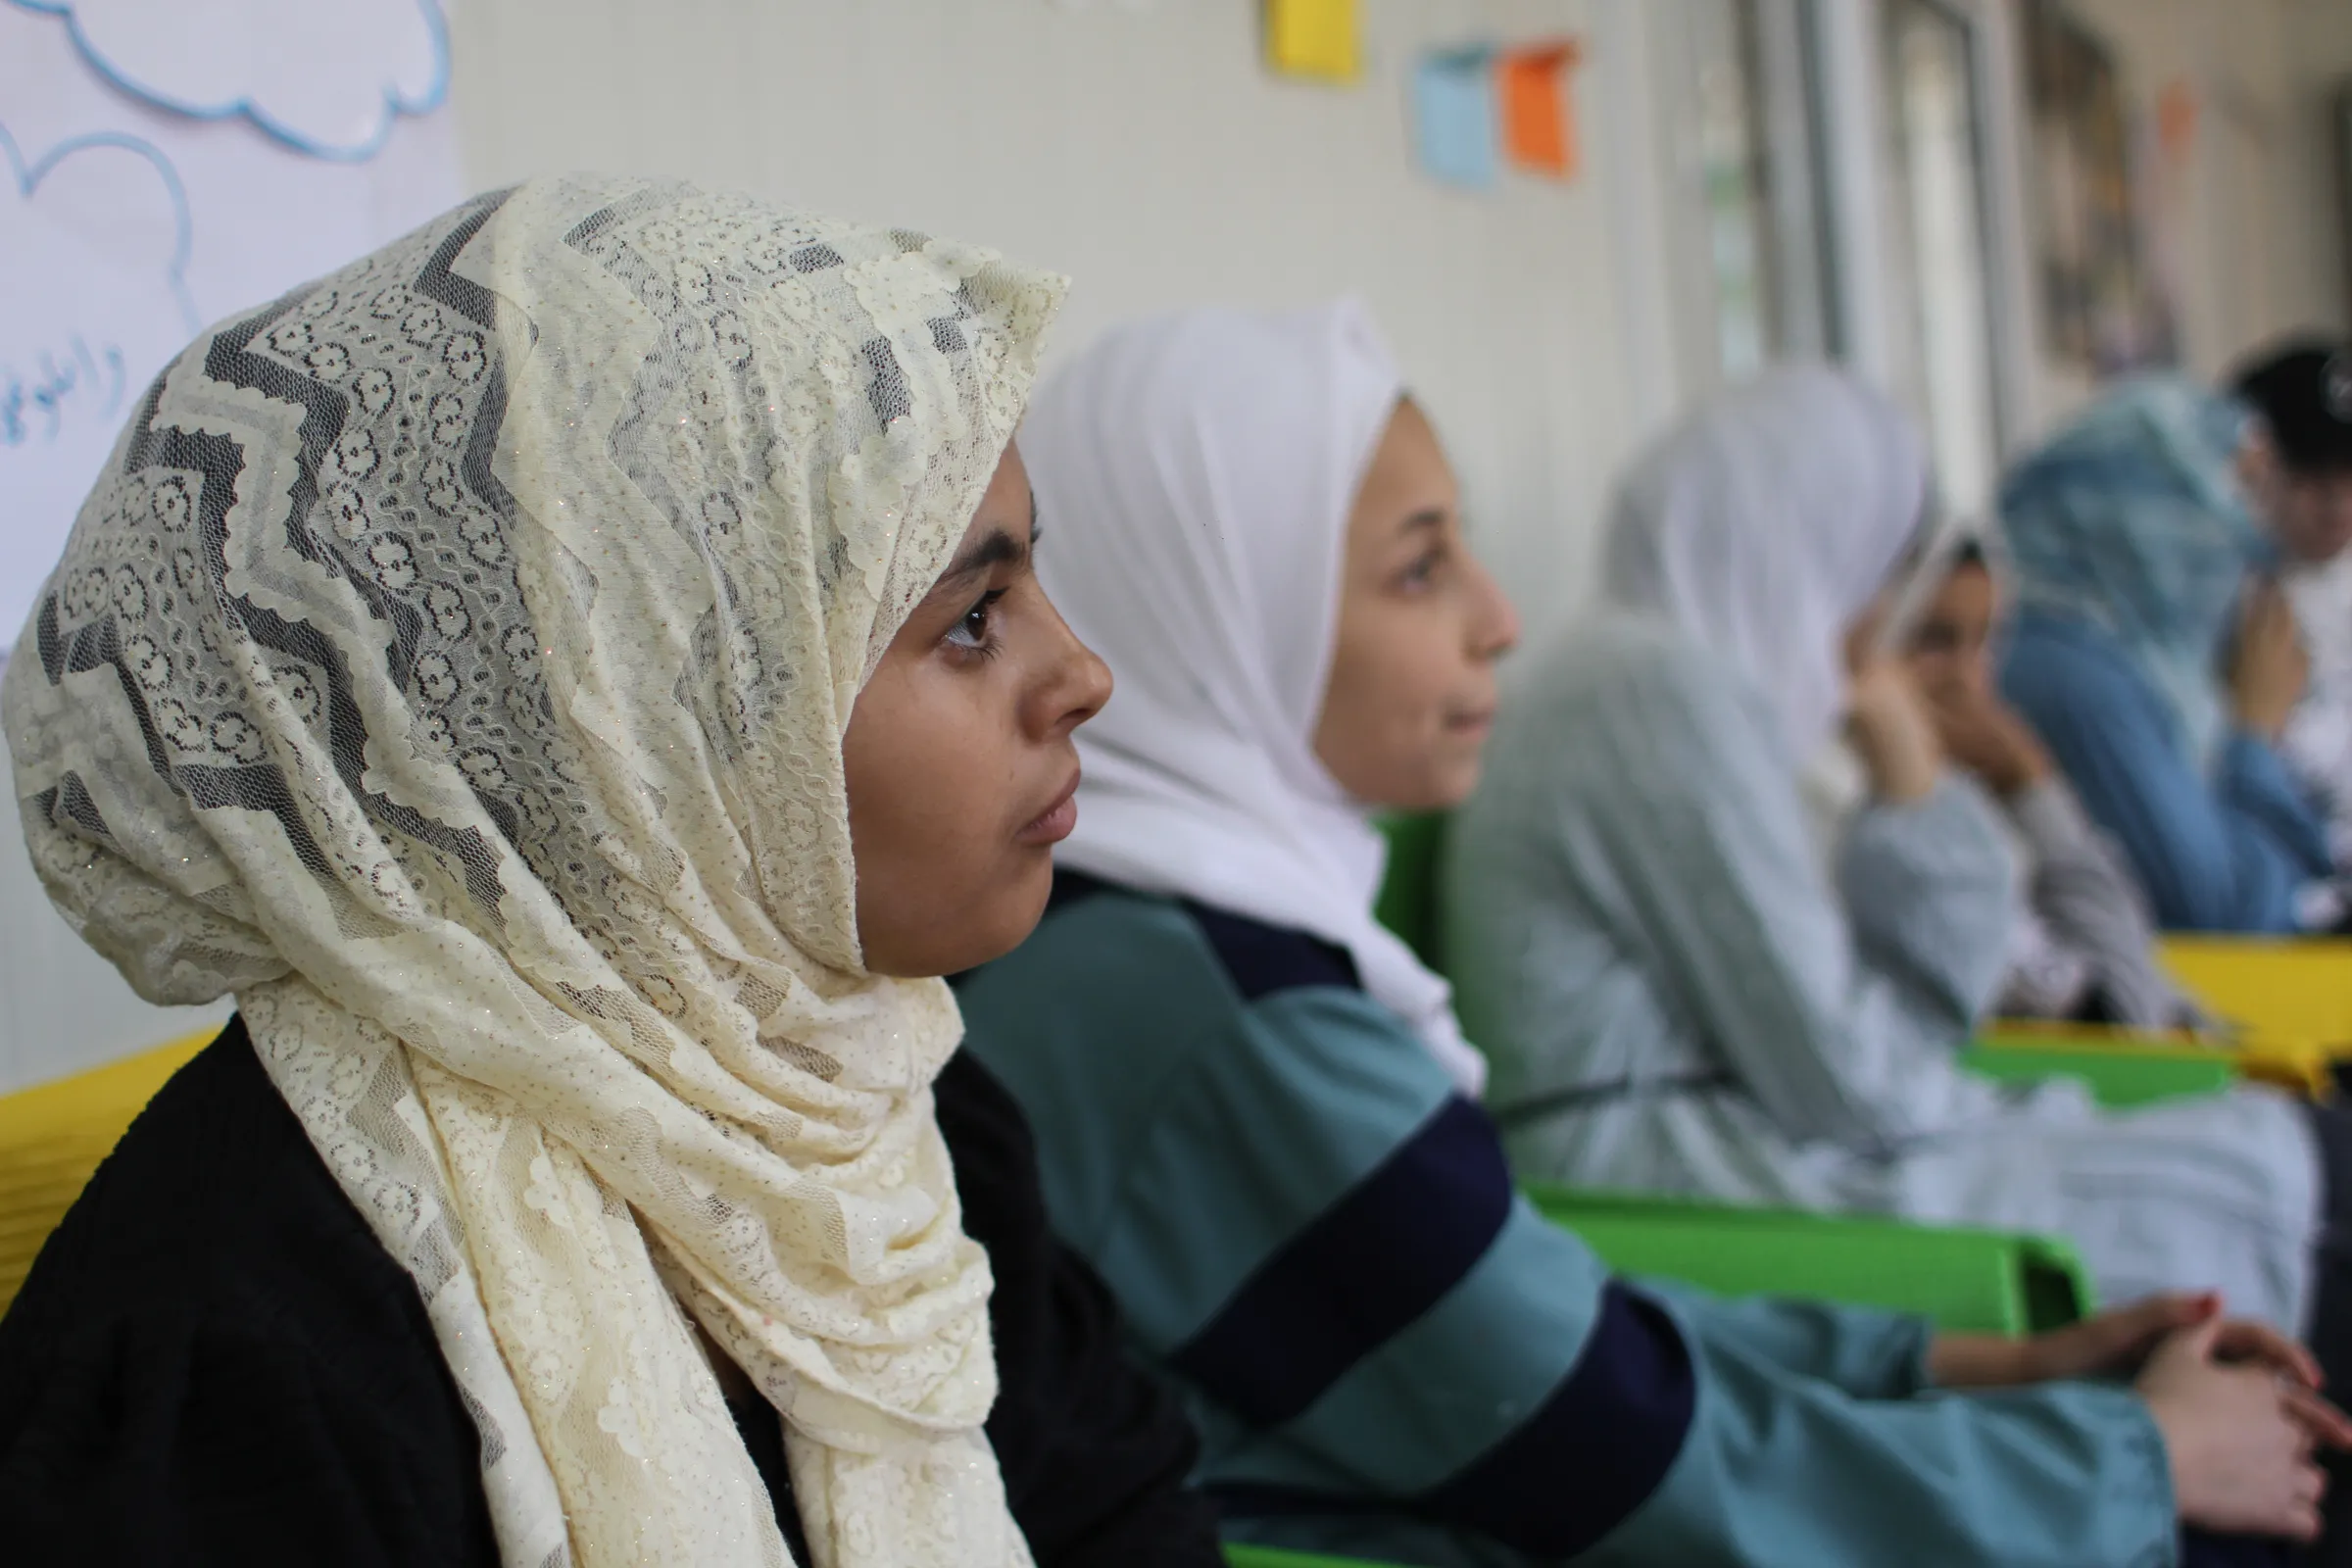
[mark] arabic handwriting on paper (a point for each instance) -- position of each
(80, 383)
(95, 235)
(1538, 127)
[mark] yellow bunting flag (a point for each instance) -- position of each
(1320, 39)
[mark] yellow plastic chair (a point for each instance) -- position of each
(53, 1136)
(2288, 999)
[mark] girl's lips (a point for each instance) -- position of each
(1055, 823)
(1471, 723)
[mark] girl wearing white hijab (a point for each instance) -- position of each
(1205, 781)
(1253, 1124)
(480, 662)
(1678, 999)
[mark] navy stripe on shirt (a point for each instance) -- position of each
(1600, 1445)
(1390, 1250)
(1597, 1449)
(1262, 959)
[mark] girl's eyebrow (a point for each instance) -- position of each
(995, 548)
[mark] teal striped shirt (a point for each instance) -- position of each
(1392, 1356)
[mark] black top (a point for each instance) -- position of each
(213, 1360)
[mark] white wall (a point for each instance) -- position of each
(1148, 153)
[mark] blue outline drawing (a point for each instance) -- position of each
(394, 106)
(28, 178)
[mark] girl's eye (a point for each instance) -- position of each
(975, 631)
(1424, 572)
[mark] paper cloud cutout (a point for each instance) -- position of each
(325, 77)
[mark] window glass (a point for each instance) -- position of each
(1937, 209)
(1735, 183)
(1748, 143)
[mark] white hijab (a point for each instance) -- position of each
(453, 664)
(1764, 524)
(1195, 472)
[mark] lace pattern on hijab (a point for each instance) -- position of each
(453, 664)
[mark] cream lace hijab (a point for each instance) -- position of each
(453, 664)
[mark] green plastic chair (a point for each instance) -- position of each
(1240, 1556)
(1409, 895)
(2116, 1077)
(1962, 1279)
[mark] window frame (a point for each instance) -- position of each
(1868, 322)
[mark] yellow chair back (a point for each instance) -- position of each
(52, 1137)
(2290, 999)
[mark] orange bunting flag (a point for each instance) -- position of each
(1539, 123)
(2176, 120)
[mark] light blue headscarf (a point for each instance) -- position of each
(2132, 519)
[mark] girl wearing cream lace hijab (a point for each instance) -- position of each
(573, 676)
